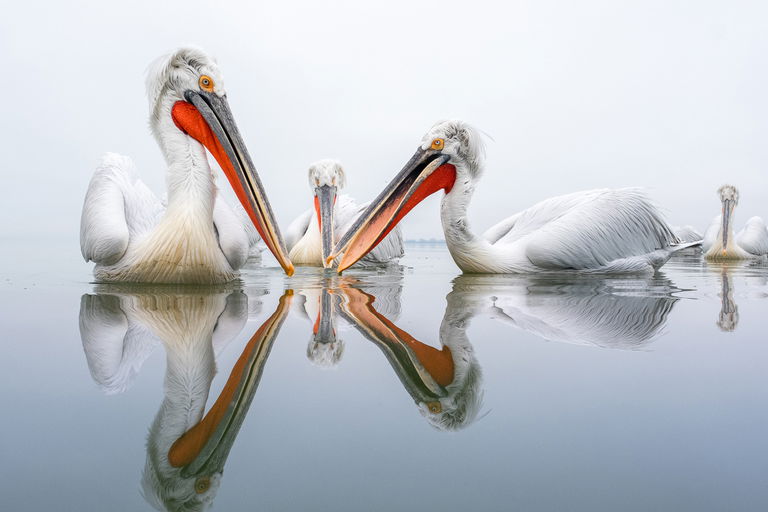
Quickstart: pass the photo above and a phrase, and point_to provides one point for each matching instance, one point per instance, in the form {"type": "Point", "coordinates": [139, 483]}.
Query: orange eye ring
{"type": "Point", "coordinates": [206, 83]}
{"type": "Point", "coordinates": [438, 144]}
{"type": "Point", "coordinates": [202, 484]}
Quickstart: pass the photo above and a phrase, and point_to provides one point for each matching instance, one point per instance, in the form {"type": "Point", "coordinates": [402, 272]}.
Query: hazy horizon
{"type": "Point", "coordinates": [668, 96]}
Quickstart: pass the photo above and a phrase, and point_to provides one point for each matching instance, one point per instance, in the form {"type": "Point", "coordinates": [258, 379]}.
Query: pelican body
{"type": "Point", "coordinates": [196, 237]}
{"type": "Point", "coordinates": [611, 231]}
{"type": "Point", "coordinates": [311, 236]}
{"type": "Point", "coordinates": [720, 244]}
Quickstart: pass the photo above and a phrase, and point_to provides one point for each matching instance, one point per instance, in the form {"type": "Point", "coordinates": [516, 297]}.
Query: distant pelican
{"type": "Point", "coordinates": [311, 236]}
{"type": "Point", "coordinates": [719, 242]}
{"type": "Point", "coordinates": [197, 238]}
{"type": "Point", "coordinates": [612, 231]}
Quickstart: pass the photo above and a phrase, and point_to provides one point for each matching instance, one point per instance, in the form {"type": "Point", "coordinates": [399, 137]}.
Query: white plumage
{"type": "Point", "coordinates": [304, 237]}
{"type": "Point", "coordinates": [197, 237]}
{"type": "Point", "coordinates": [604, 230]}
{"type": "Point", "coordinates": [719, 241]}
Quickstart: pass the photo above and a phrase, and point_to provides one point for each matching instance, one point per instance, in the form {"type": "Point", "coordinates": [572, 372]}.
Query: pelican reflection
{"type": "Point", "coordinates": [318, 301]}
{"type": "Point", "coordinates": [618, 313]}
{"type": "Point", "coordinates": [728, 319]}
{"type": "Point", "coordinates": [187, 450]}
{"type": "Point", "coordinates": [444, 383]}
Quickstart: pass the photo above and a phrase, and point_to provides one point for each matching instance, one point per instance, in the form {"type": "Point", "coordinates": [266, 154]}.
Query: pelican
{"type": "Point", "coordinates": [719, 242]}
{"type": "Point", "coordinates": [310, 237]}
{"type": "Point", "coordinates": [197, 237]}
{"type": "Point", "coordinates": [595, 231]}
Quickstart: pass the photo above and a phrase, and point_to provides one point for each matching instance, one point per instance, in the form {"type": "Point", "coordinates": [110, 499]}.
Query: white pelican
{"type": "Point", "coordinates": [719, 242]}
{"type": "Point", "coordinates": [197, 238]}
{"type": "Point", "coordinates": [310, 237]}
{"type": "Point", "coordinates": [597, 230]}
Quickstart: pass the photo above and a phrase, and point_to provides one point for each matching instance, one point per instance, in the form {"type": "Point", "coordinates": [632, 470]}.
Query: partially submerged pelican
{"type": "Point", "coordinates": [197, 238]}
{"type": "Point", "coordinates": [612, 231]}
{"type": "Point", "coordinates": [311, 236]}
{"type": "Point", "coordinates": [719, 241]}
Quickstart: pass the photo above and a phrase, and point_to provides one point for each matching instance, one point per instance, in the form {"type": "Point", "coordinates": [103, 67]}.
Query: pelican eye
{"type": "Point", "coordinates": [202, 484]}
{"type": "Point", "coordinates": [434, 407]}
{"type": "Point", "coordinates": [206, 83]}
{"type": "Point", "coordinates": [437, 144]}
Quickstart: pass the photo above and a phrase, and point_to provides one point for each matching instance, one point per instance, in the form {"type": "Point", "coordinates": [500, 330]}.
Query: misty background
{"type": "Point", "coordinates": [666, 95]}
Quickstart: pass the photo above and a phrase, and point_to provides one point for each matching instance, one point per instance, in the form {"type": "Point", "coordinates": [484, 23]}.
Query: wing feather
{"type": "Point", "coordinates": [117, 206]}
{"type": "Point", "coordinates": [754, 237]}
{"type": "Point", "coordinates": [591, 229]}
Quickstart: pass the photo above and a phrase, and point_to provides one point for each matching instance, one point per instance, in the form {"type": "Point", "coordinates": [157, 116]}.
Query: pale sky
{"type": "Point", "coordinates": [667, 95]}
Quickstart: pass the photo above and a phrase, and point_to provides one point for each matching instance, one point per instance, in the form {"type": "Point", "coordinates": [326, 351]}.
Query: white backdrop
{"type": "Point", "coordinates": [668, 95]}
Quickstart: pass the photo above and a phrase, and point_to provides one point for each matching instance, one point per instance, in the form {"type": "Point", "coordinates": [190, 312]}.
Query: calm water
{"type": "Point", "coordinates": [410, 388]}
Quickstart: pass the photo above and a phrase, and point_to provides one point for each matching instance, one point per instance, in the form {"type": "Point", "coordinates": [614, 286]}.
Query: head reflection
{"type": "Point", "coordinates": [187, 450]}
{"type": "Point", "coordinates": [445, 383]}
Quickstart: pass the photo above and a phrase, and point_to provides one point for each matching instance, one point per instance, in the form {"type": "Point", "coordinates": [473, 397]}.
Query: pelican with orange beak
{"type": "Point", "coordinates": [311, 236]}
{"type": "Point", "coordinates": [605, 230]}
{"type": "Point", "coordinates": [196, 237]}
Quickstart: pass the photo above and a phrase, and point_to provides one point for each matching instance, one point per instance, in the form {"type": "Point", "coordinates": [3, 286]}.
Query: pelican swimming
{"type": "Point", "coordinates": [719, 242]}
{"type": "Point", "coordinates": [197, 237]}
{"type": "Point", "coordinates": [310, 237]}
{"type": "Point", "coordinates": [597, 230]}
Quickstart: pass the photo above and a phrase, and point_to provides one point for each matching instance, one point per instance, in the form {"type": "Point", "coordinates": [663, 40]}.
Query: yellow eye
{"type": "Point", "coordinates": [435, 407]}
{"type": "Point", "coordinates": [437, 144]}
{"type": "Point", "coordinates": [206, 83]}
{"type": "Point", "coordinates": [202, 484]}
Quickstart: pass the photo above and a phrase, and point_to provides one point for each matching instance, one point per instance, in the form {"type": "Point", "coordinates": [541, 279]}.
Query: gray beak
{"type": "Point", "coordinates": [325, 202]}
{"type": "Point", "coordinates": [727, 209]}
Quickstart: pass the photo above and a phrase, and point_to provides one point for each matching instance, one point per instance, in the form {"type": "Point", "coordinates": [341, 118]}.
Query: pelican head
{"type": "Point", "coordinates": [188, 101]}
{"type": "Point", "coordinates": [450, 151]}
{"type": "Point", "coordinates": [326, 178]}
{"type": "Point", "coordinates": [325, 353]}
{"type": "Point", "coordinates": [729, 197]}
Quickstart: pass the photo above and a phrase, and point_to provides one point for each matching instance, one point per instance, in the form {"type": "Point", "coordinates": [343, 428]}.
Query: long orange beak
{"type": "Point", "coordinates": [205, 446]}
{"type": "Point", "coordinates": [425, 173]}
{"type": "Point", "coordinates": [207, 118]}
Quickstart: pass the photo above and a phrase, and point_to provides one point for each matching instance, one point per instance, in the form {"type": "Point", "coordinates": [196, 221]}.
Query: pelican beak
{"type": "Point", "coordinates": [204, 448]}
{"type": "Point", "coordinates": [323, 330]}
{"type": "Point", "coordinates": [325, 200]}
{"type": "Point", "coordinates": [425, 173]}
{"type": "Point", "coordinates": [207, 118]}
{"type": "Point", "coordinates": [727, 210]}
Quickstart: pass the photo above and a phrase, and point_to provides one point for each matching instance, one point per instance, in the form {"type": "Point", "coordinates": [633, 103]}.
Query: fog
{"type": "Point", "coordinates": [666, 95]}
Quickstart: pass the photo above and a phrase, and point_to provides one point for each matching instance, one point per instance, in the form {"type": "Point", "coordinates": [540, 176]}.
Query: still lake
{"type": "Point", "coordinates": [399, 389]}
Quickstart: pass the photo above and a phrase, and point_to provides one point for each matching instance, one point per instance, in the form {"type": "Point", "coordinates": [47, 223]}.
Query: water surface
{"type": "Point", "coordinates": [405, 388]}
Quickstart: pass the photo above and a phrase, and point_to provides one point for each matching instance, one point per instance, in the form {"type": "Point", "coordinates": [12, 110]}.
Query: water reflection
{"type": "Point", "coordinates": [729, 311]}
{"type": "Point", "coordinates": [445, 383]}
{"type": "Point", "coordinates": [318, 301]}
{"type": "Point", "coordinates": [186, 451]}
{"type": "Point", "coordinates": [618, 313]}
